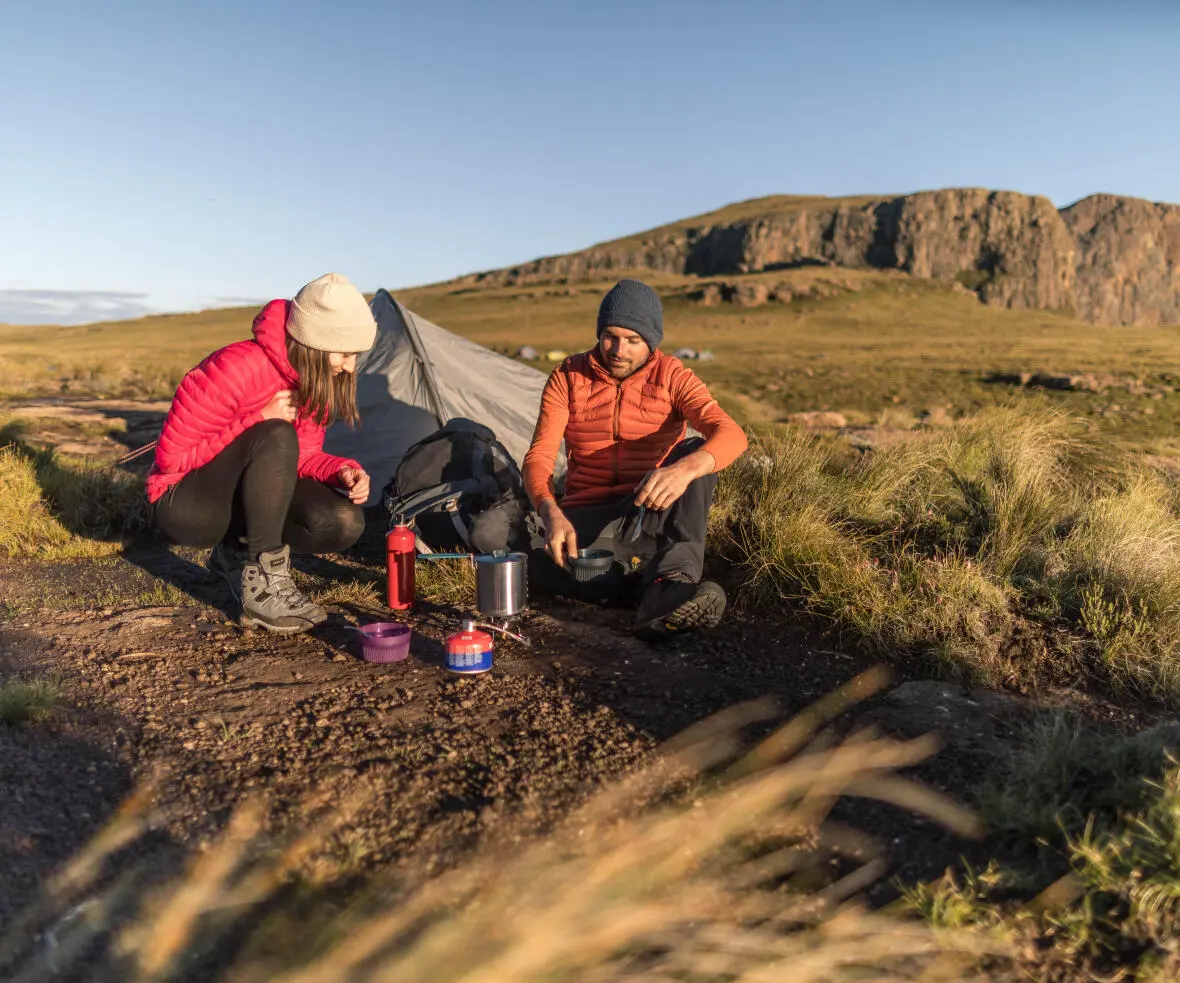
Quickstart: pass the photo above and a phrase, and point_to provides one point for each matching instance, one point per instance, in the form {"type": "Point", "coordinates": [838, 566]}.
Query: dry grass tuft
{"type": "Point", "coordinates": [358, 592]}
{"type": "Point", "coordinates": [448, 582]}
{"type": "Point", "coordinates": [707, 865]}
{"type": "Point", "coordinates": [953, 542]}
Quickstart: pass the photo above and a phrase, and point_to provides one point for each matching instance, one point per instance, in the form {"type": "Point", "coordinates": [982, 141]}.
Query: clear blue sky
{"type": "Point", "coordinates": [174, 155]}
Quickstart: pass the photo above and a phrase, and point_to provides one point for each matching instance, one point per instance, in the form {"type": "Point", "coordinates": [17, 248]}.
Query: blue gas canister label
{"type": "Point", "coordinates": [470, 661]}
{"type": "Point", "coordinates": [469, 651]}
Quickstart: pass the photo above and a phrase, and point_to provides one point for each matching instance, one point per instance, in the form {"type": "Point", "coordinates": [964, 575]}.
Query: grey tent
{"type": "Point", "coordinates": [416, 377]}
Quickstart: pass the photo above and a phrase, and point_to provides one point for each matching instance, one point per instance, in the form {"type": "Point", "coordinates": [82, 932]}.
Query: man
{"type": "Point", "coordinates": [634, 484]}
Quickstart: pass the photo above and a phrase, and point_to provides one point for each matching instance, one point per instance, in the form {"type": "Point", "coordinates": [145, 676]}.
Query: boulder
{"type": "Point", "coordinates": [966, 720]}
{"type": "Point", "coordinates": [818, 420]}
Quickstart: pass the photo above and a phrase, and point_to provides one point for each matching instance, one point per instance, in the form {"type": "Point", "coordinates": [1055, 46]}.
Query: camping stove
{"type": "Point", "coordinates": [501, 595]}
{"type": "Point", "coordinates": [501, 590]}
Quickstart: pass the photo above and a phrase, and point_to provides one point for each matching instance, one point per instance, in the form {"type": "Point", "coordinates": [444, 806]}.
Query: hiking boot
{"type": "Point", "coordinates": [675, 603]}
{"type": "Point", "coordinates": [226, 562]}
{"type": "Point", "coordinates": [270, 598]}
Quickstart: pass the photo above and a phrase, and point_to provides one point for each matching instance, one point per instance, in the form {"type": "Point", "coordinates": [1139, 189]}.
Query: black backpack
{"type": "Point", "coordinates": [460, 489]}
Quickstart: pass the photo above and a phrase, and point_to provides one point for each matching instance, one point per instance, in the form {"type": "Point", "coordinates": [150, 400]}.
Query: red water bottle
{"type": "Point", "coordinates": [400, 554]}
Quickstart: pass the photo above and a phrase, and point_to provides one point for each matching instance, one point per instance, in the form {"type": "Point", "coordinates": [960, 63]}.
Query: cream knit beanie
{"type": "Point", "coordinates": [331, 315]}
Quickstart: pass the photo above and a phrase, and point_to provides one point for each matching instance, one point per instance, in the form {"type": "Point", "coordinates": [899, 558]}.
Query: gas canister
{"type": "Point", "coordinates": [469, 650]}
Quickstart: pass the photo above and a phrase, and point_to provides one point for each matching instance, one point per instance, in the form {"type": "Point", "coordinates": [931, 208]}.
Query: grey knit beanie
{"type": "Point", "coordinates": [633, 305]}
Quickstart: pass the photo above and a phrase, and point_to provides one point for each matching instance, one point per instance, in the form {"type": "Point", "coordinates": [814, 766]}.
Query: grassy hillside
{"type": "Point", "coordinates": [869, 343]}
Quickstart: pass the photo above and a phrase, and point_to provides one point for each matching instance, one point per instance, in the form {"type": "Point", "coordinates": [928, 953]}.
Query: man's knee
{"type": "Point", "coordinates": [685, 447]}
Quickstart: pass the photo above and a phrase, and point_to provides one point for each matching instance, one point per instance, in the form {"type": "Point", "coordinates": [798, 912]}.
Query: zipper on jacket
{"type": "Point", "coordinates": [615, 432]}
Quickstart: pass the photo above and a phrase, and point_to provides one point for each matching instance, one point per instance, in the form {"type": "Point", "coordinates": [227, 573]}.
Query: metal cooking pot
{"type": "Point", "coordinates": [501, 587]}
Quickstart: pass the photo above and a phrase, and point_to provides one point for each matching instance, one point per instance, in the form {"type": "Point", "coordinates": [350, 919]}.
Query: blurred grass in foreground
{"type": "Point", "coordinates": [711, 864]}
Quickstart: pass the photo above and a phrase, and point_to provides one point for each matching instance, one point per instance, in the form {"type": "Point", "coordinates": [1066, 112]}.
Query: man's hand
{"type": "Point", "coordinates": [281, 406]}
{"type": "Point", "coordinates": [357, 483]}
{"type": "Point", "coordinates": [560, 538]}
{"type": "Point", "coordinates": [663, 486]}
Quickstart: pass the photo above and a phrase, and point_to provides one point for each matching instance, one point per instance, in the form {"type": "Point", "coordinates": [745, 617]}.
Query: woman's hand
{"type": "Point", "coordinates": [281, 406]}
{"type": "Point", "coordinates": [356, 481]}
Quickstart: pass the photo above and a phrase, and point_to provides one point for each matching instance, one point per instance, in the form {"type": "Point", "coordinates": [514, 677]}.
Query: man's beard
{"type": "Point", "coordinates": [620, 371]}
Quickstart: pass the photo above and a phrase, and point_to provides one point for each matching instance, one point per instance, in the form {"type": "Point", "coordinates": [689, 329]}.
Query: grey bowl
{"type": "Point", "coordinates": [590, 564]}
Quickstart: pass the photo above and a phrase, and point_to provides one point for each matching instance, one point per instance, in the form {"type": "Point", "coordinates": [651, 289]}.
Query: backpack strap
{"type": "Point", "coordinates": [440, 496]}
{"type": "Point", "coordinates": [452, 507]}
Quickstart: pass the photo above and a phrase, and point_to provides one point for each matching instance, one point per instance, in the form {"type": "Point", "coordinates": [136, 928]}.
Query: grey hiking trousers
{"type": "Point", "coordinates": [671, 541]}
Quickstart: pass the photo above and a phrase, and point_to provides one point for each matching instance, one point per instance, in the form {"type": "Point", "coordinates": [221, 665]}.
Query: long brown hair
{"type": "Point", "coordinates": [323, 397]}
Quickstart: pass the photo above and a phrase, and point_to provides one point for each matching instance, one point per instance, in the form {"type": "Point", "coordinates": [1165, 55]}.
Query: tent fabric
{"type": "Point", "coordinates": [415, 378]}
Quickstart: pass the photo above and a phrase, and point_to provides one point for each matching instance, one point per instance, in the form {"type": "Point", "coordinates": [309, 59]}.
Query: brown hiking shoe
{"type": "Point", "coordinates": [270, 598]}
{"type": "Point", "coordinates": [675, 603]}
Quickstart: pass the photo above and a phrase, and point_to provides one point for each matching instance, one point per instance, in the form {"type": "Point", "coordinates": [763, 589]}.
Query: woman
{"type": "Point", "coordinates": [240, 464]}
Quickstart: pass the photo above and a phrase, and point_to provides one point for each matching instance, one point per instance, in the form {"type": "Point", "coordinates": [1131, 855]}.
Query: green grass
{"type": "Point", "coordinates": [25, 700]}
{"type": "Point", "coordinates": [54, 507]}
{"type": "Point", "coordinates": [882, 340]}
{"type": "Point", "coordinates": [890, 341]}
{"type": "Point", "coordinates": [1059, 776]}
{"type": "Point", "coordinates": [1099, 894]}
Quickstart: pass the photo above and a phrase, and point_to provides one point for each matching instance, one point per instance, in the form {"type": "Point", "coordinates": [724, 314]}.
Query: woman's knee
{"type": "Point", "coordinates": [351, 526]}
{"type": "Point", "coordinates": [330, 529]}
{"type": "Point", "coordinates": [275, 437]}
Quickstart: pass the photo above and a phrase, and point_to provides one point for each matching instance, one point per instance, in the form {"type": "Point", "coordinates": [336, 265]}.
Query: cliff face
{"type": "Point", "coordinates": [1108, 259]}
{"type": "Point", "coordinates": [1128, 253]}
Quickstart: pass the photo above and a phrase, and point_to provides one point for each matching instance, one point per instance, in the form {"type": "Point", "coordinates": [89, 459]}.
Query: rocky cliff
{"type": "Point", "coordinates": [1107, 259]}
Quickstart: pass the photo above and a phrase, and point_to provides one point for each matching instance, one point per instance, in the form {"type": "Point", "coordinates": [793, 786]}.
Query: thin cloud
{"type": "Point", "coordinates": [21, 306]}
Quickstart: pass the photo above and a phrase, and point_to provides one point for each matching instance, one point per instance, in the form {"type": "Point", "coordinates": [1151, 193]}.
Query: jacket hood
{"type": "Point", "coordinates": [270, 331]}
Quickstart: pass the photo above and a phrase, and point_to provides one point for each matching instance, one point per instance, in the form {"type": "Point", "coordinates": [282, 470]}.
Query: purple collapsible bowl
{"type": "Point", "coordinates": [385, 641]}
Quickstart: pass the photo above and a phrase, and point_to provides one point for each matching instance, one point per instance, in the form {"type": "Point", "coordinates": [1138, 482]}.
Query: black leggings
{"type": "Point", "coordinates": [251, 491]}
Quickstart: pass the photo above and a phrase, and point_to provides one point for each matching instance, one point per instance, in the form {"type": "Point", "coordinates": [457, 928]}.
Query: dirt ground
{"type": "Point", "coordinates": [183, 691]}
{"type": "Point", "coordinates": [160, 682]}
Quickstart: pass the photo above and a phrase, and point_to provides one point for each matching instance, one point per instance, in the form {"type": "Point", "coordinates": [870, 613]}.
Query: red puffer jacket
{"type": "Point", "coordinates": [225, 395]}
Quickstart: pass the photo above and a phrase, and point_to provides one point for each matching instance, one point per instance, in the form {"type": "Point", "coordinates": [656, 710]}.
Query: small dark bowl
{"type": "Point", "coordinates": [590, 564]}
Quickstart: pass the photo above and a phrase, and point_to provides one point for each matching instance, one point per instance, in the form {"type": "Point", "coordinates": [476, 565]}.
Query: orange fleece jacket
{"type": "Point", "coordinates": [615, 431]}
